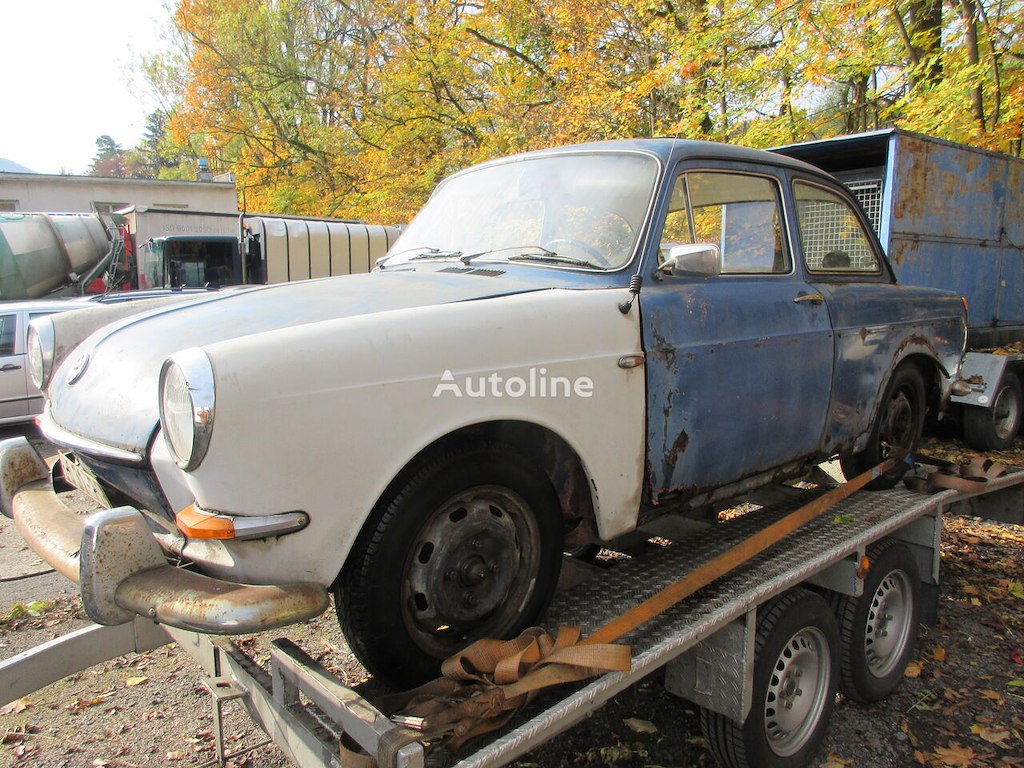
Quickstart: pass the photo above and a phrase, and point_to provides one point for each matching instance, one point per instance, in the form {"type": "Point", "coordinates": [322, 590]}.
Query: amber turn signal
{"type": "Point", "coordinates": [199, 525]}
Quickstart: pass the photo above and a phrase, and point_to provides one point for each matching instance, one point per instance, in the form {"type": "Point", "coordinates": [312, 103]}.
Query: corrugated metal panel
{"type": "Point", "coordinates": [298, 249]}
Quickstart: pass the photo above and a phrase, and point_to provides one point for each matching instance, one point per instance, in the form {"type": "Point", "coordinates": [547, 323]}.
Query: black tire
{"type": "Point", "coordinates": [994, 428]}
{"type": "Point", "coordinates": [877, 630]}
{"type": "Point", "coordinates": [469, 546]}
{"type": "Point", "coordinates": [898, 425]}
{"type": "Point", "coordinates": [795, 678]}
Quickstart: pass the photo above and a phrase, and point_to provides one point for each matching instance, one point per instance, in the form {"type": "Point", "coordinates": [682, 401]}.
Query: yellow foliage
{"type": "Point", "coordinates": [358, 109]}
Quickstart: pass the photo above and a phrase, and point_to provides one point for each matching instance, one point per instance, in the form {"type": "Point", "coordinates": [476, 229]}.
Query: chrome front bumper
{"type": "Point", "coordinates": [121, 569]}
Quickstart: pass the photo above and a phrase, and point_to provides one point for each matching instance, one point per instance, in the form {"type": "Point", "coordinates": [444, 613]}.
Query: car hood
{"type": "Point", "coordinates": [113, 401]}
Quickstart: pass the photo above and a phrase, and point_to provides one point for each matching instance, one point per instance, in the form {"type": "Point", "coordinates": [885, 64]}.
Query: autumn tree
{"type": "Point", "coordinates": [358, 108]}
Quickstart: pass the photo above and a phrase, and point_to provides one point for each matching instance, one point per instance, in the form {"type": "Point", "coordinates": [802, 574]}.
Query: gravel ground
{"type": "Point", "coordinates": [961, 704]}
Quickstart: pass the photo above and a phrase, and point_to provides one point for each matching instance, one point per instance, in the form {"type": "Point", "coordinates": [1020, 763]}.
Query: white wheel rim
{"type": "Point", "coordinates": [889, 623]}
{"type": "Point", "coordinates": [797, 692]}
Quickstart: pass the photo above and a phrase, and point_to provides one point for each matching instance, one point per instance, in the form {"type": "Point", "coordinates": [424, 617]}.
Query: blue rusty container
{"type": "Point", "coordinates": [949, 216]}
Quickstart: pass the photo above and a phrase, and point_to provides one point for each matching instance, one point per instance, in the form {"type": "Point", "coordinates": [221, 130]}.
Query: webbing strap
{"type": "Point", "coordinates": [972, 477]}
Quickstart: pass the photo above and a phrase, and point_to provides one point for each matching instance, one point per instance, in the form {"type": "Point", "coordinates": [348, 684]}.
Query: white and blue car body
{"type": "Point", "coordinates": [561, 345]}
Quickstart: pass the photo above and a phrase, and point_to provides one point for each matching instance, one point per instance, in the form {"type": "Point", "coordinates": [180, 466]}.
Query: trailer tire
{"type": "Point", "coordinates": [796, 650]}
{"type": "Point", "coordinates": [877, 630]}
{"type": "Point", "coordinates": [996, 427]}
{"type": "Point", "coordinates": [467, 546]}
{"type": "Point", "coordinates": [898, 424]}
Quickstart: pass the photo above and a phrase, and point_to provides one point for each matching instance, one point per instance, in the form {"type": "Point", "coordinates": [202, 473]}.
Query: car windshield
{"type": "Point", "coordinates": [573, 211]}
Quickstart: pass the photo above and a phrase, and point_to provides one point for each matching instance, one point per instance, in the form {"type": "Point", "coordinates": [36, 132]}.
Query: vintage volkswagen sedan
{"type": "Point", "coordinates": [561, 345]}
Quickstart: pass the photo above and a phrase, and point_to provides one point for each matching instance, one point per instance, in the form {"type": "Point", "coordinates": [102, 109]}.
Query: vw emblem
{"type": "Point", "coordinates": [78, 368]}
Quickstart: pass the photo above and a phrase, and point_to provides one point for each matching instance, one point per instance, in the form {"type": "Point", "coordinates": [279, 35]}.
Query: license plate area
{"type": "Point", "coordinates": [83, 479]}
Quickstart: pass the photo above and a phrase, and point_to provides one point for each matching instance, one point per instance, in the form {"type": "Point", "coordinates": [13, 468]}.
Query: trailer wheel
{"type": "Point", "coordinates": [994, 428]}
{"type": "Point", "coordinates": [898, 426]}
{"type": "Point", "coordinates": [796, 649]}
{"type": "Point", "coordinates": [877, 630]}
{"type": "Point", "coordinates": [468, 546]}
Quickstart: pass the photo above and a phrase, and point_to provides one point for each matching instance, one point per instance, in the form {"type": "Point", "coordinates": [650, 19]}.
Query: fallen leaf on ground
{"type": "Point", "coordinates": [939, 654]}
{"type": "Point", "coordinates": [956, 755]}
{"type": "Point", "coordinates": [86, 703]}
{"type": "Point", "coordinates": [992, 735]}
{"type": "Point", "coordinates": [835, 761]}
{"type": "Point", "coordinates": [132, 681]}
{"type": "Point", "coordinates": [640, 726]}
{"type": "Point", "coordinates": [913, 670]}
{"type": "Point", "coordinates": [16, 706]}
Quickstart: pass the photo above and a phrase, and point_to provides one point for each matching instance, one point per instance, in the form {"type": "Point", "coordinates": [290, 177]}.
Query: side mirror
{"type": "Point", "coordinates": [700, 259]}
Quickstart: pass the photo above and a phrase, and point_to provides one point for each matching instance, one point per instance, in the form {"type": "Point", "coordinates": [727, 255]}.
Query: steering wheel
{"type": "Point", "coordinates": [591, 252]}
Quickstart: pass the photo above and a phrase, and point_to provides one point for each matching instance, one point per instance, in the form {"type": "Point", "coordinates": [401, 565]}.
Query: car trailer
{"type": "Point", "coordinates": [759, 650]}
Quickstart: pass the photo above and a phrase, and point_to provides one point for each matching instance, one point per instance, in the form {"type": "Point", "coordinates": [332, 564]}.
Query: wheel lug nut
{"type": "Point", "coordinates": [451, 575]}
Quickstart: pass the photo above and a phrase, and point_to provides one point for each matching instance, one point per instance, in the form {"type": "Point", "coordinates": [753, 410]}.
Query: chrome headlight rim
{"type": "Point", "coordinates": [187, 430]}
{"type": "Point", "coordinates": [39, 348]}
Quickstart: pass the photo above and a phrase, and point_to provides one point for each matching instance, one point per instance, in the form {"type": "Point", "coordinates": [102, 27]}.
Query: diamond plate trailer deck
{"type": "Point", "coordinates": [705, 643]}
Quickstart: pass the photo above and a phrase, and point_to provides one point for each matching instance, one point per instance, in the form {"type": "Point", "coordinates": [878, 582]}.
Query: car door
{"type": "Point", "coordinates": [13, 377]}
{"type": "Point", "coordinates": [875, 320]}
{"type": "Point", "coordinates": [739, 363]}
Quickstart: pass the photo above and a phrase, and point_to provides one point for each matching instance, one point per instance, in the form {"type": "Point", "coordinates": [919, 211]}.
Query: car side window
{"type": "Point", "coordinates": [833, 238]}
{"type": "Point", "coordinates": [739, 213]}
{"type": "Point", "coordinates": [7, 326]}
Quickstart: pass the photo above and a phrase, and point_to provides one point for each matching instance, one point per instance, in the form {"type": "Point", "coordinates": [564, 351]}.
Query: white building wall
{"type": "Point", "coordinates": [37, 192]}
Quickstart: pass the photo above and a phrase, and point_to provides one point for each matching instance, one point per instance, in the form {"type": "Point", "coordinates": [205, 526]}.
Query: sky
{"type": "Point", "coordinates": [71, 74]}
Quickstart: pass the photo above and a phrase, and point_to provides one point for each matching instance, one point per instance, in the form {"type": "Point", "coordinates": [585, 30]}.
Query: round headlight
{"type": "Point", "coordinates": [187, 406]}
{"type": "Point", "coordinates": [39, 348]}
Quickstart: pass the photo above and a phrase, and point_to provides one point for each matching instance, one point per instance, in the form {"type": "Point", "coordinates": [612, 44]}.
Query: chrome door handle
{"type": "Point", "coordinates": [813, 298]}
{"type": "Point", "coordinates": [10, 367]}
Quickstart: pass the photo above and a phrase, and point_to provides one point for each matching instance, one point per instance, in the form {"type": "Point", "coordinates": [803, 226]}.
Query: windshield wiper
{"type": "Point", "coordinates": [423, 253]}
{"type": "Point", "coordinates": [435, 253]}
{"type": "Point", "coordinates": [554, 258]}
{"type": "Point", "coordinates": [532, 253]}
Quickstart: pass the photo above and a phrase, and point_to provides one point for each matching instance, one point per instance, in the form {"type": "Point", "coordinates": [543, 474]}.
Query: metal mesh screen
{"type": "Point", "coordinates": [832, 239]}
{"type": "Point", "coordinates": [869, 194]}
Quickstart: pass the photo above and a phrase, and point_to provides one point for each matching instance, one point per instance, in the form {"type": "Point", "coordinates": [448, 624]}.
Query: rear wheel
{"type": "Point", "coordinates": [469, 547]}
{"type": "Point", "coordinates": [994, 428]}
{"type": "Point", "coordinates": [877, 630]}
{"type": "Point", "coordinates": [898, 426]}
{"type": "Point", "coordinates": [796, 648]}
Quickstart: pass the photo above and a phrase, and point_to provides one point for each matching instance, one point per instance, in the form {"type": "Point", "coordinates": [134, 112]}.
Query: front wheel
{"type": "Point", "coordinates": [468, 547]}
{"type": "Point", "coordinates": [898, 425]}
{"type": "Point", "coordinates": [796, 649]}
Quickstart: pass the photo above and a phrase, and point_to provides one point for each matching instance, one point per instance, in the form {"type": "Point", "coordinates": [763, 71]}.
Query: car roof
{"type": "Point", "coordinates": [671, 151]}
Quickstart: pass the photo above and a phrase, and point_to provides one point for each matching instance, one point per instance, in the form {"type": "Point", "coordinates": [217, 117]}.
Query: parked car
{"type": "Point", "coordinates": [20, 398]}
{"type": "Point", "coordinates": [561, 345]}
